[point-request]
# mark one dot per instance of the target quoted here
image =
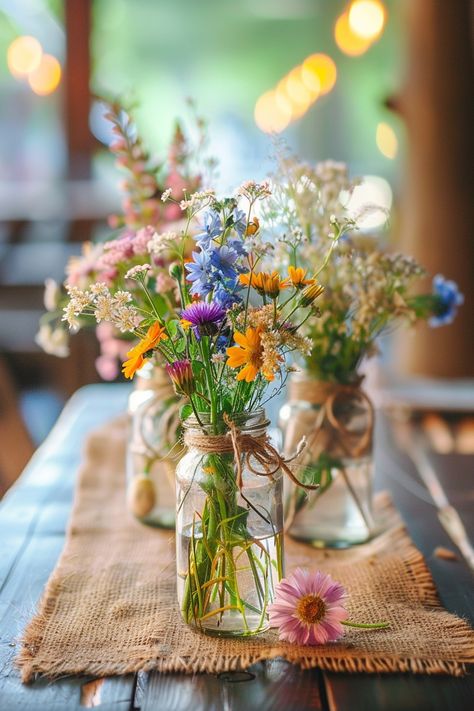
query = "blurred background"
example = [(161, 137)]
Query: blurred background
[(384, 85)]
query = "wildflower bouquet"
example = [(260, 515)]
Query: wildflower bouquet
[(226, 344), (368, 290)]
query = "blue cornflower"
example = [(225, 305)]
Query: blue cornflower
[(212, 228), (199, 273), (223, 260), (448, 298)]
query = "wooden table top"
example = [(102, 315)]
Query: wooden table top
[(33, 519)]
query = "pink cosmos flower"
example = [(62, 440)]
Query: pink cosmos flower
[(309, 608)]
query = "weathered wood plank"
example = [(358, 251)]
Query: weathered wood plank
[(33, 518), (275, 685)]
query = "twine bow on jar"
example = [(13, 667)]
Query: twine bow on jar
[(329, 431), (247, 447)]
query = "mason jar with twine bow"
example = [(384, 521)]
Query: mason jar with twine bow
[(153, 447), (229, 523), (337, 421)]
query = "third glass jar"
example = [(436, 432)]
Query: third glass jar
[(337, 422)]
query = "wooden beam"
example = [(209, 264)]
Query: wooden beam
[(437, 104), (77, 95)]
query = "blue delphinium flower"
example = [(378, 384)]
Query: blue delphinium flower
[(448, 298), (240, 222), (211, 228), (223, 259), (199, 273), (227, 295), (240, 247)]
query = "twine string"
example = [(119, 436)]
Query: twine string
[(327, 395), (247, 449)]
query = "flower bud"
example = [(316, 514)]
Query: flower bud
[(310, 294)]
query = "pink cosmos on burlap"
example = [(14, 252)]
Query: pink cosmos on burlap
[(309, 608)]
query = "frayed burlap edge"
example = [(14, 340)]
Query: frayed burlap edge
[(356, 663)]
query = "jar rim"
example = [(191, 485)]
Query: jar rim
[(247, 421)]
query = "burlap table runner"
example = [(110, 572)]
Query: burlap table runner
[(110, 604)]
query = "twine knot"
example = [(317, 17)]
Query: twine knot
[(247, 449)]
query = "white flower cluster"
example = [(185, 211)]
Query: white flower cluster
[(54, 341), (160, 243), (308, 200), (100, 303), (138, 271), (254, 191), (197, 201)]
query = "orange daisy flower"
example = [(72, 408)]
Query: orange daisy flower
[(248, 353), (136, 357), (264, 282), (297, 278)]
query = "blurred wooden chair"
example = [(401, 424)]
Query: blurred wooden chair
[(16, 446)]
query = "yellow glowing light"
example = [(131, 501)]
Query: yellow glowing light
[(386, 140), (311, 81), (46, 77), (322, 68), (367, 18), (23, 56), (287, 93), (347, 40), (271, 116), (296, 89)]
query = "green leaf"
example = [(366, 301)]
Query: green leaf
[(185, 412), (172, 328)]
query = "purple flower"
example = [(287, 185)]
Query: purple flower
[(211, 228), (199, 272), (448, 298), (308, 608), (204, 318)]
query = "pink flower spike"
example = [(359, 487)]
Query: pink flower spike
[(309, 608)]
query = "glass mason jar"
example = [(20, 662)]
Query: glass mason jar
[(229, 540), (154, 428), (337, 422)]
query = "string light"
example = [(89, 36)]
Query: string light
[(347, 40), (367, 18), (46, 77), (386, 140), (24, 56)]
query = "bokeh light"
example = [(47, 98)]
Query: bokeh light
[(46, 77), (367, 18), (24, 56), (323, 68), (386, 140), (296, 90), (347, 40), (271, 116)]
